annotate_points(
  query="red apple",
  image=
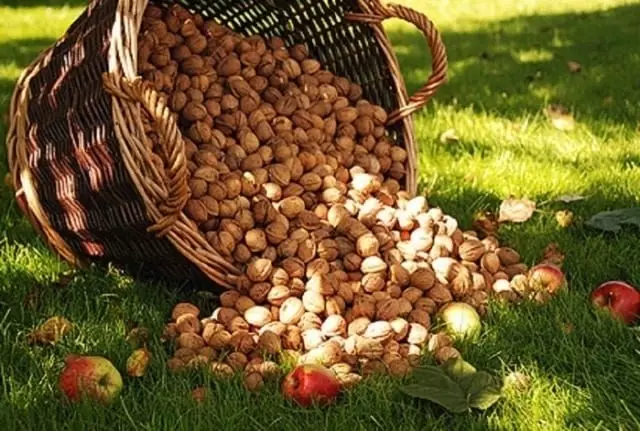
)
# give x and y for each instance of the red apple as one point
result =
(620, 298)
(546, 276)
(311, 384)
(93, 377)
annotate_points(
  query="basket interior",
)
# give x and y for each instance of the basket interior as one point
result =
(82, 182)
(345, 48)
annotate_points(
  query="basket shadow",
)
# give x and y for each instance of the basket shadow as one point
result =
(519, 65)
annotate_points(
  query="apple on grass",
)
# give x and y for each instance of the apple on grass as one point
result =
(93, 377)
(311, 384)
(461, 320)
(546, 277)
(620, 298)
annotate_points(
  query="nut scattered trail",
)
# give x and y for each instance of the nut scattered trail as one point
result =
(295, 181)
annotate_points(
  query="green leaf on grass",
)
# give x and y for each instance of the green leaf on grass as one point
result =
(612, 221)
(484, 390)
(436, 386)
(458, 369)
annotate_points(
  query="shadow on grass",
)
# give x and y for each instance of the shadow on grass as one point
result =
(517, 66)
(19, 53)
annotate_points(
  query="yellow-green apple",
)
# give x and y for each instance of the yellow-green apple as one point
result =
(546, 277)
(93, 377)
(311, 384)
(620, 298)
(460, 319)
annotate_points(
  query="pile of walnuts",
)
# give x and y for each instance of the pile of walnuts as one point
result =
(294, 180)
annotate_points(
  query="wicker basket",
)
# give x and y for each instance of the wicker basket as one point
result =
(81, 163)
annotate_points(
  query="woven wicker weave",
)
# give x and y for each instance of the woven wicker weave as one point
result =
(81, 162)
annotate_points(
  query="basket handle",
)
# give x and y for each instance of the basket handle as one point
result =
(173, 200)
(374, 12)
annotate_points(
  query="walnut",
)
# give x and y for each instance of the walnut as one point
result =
(334, 325)
(243, 303)
(313, 301)
(188, 323)
(258, 316)
(190, 340)
(291, 311)
(259, 270)
(256, 240)
(387, 309)
(373, 264)
(364, 305)
(368, 245)
(471, 250)
(184, 308)
(490, 262)
(269, 343)
(417, 334)
(312, 338)
(292, 338)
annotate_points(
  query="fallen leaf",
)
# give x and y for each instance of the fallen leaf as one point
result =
(436, 386)
(137, 337)
(200, 394)
(574, 66)
(607, 101)
(486, 223)
(517, 381)
(553, 254)
(484, 391)
(560, 117)
(516, 210)
(449, 136)
(567, 199)
(564, 218)
(612, 221)
(51, 331)
(138, 362)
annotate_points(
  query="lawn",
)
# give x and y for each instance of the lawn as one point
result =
(507, 63)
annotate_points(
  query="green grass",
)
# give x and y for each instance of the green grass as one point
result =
(506, 64)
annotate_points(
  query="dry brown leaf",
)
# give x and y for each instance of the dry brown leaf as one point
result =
(485, 223)
(517, 381)
(560, 117)
(51, 331)
(449, 136)
(516, 210)
(200, 394)
(138, 362)
(564, 218)
(553, 254)
(567, 199)
(574, 66)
